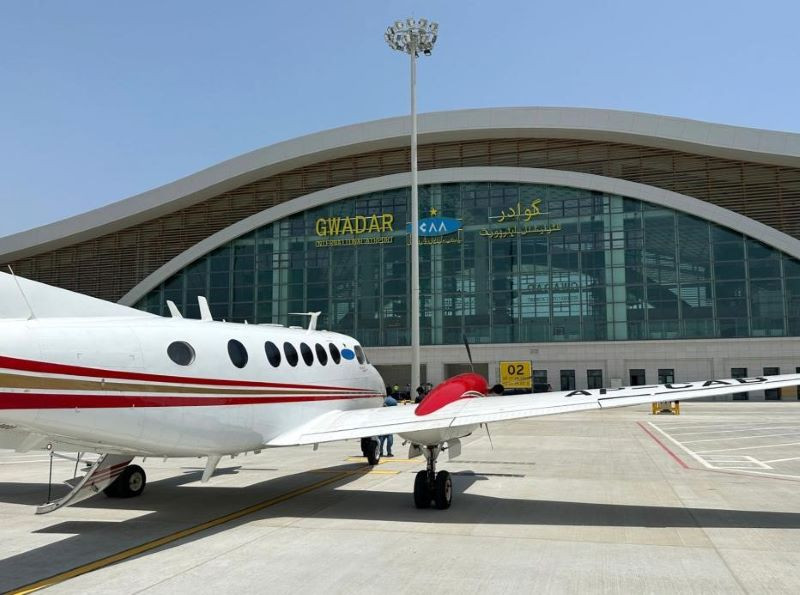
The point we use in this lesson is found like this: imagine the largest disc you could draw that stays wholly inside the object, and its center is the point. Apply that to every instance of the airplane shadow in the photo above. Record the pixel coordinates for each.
(172, 507)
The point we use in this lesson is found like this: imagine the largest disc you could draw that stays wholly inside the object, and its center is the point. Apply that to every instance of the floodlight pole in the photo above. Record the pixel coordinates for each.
(412, 37)
(415, 294)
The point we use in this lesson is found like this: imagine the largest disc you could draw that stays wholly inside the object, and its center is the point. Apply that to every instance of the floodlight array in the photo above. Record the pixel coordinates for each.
(412, 36)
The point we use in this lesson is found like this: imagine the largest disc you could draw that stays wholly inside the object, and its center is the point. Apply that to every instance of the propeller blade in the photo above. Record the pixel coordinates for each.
(469, 353)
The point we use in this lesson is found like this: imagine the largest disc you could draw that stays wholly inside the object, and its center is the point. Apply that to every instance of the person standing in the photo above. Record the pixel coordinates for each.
(420, 395)
(388, 439)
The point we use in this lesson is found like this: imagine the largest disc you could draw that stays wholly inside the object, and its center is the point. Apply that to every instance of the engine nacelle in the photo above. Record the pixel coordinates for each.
(438, 436)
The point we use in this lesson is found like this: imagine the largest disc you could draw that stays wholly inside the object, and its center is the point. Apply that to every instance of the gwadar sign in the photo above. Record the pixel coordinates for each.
(361, 228)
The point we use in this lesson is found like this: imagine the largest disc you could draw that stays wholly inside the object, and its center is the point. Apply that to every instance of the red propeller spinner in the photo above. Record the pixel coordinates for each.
(463, 386)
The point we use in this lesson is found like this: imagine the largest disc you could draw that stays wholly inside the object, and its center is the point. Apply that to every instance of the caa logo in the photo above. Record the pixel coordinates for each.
(436, 226)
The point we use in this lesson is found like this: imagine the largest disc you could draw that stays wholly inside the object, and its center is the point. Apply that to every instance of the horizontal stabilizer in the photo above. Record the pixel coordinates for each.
(23, 299)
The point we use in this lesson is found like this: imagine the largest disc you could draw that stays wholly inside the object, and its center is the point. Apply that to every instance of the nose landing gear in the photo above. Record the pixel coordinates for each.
(431, 487)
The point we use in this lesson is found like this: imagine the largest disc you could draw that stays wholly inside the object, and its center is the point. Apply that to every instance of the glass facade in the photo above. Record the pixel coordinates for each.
(528, 263)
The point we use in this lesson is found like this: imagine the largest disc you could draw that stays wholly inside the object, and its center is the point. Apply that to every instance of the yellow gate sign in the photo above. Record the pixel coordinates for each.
(516, 374)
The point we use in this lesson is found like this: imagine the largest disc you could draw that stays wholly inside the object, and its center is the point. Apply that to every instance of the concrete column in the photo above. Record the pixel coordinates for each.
(616, 309)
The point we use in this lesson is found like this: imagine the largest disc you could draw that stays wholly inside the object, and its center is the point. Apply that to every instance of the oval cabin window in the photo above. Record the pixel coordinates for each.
(237, 353)
(273, 354)
(181, 353)
(335, 355)
(305, 351)
(322, 355)
(291, 354)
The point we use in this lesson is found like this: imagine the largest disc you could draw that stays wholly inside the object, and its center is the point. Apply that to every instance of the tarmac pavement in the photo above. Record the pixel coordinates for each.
(616, 501)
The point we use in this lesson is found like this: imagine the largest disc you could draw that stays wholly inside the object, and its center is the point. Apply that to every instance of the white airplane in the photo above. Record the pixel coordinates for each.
(78, 374)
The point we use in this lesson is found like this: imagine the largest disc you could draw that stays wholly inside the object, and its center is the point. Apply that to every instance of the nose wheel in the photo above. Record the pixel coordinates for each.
(430, 487)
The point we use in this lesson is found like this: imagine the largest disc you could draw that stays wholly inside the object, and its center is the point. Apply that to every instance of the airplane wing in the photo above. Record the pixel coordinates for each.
(362, 423)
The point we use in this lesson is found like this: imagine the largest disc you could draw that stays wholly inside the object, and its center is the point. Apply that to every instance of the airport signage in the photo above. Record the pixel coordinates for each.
(355, 231)
(435, 230)
(516, 374)
(519, 220)
(436, 226)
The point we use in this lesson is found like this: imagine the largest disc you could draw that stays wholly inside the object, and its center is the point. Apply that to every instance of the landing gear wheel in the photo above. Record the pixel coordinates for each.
(130, 483)
(443, 490)
(373, 451)
(422, 494)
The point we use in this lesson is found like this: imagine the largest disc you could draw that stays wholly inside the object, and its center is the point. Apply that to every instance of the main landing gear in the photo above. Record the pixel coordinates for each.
(371, 449)
(130, 483)
(431, 487)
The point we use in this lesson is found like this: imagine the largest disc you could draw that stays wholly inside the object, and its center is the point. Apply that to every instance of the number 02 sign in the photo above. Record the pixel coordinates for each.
(516, 374)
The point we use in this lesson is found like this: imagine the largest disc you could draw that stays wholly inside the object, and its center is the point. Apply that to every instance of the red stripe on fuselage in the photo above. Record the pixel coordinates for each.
(84, 401)
(68, 370)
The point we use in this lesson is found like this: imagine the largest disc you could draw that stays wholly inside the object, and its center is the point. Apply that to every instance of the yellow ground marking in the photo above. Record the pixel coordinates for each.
(161, 541)
(383, 461)
(370, 472)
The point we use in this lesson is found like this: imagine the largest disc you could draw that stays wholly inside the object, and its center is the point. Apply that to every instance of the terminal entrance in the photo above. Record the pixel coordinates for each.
(400, 375)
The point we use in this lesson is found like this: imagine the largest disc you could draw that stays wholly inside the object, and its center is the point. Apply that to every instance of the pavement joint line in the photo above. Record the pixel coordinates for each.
(176, 536)
(795, 433)
(782, 460)
(748, 447)
(705, 433)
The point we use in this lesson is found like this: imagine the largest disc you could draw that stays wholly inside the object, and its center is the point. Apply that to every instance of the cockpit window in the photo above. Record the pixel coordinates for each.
(360, 354)
(181, 353)
(237, 353)
(335, 355)
(305, 351)
(322, 355)
(291, 354)
(273, 354)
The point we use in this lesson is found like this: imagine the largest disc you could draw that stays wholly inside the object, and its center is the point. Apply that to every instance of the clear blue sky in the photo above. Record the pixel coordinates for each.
(102, 100)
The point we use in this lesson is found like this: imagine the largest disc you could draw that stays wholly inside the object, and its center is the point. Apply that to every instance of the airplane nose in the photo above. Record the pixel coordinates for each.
(378, 381)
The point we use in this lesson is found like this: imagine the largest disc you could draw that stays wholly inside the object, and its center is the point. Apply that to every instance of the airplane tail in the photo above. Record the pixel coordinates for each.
(23, 299)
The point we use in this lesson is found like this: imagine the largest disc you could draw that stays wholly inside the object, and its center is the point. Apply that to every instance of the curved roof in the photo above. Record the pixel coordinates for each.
(666, 198)
(776, 148)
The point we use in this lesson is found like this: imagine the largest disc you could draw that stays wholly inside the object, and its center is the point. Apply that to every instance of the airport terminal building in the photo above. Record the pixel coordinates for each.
(607, 248)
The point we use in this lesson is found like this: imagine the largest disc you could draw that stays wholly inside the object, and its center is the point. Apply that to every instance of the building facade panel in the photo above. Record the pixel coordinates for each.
(530, 263)
(110, 265)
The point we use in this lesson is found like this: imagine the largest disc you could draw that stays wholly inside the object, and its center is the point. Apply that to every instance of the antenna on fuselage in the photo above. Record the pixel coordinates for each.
(313, 317)
(173, 309)
(22, 293)
(205, 311)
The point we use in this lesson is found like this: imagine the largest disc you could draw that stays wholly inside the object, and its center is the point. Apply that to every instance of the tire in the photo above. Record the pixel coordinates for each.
(422, 495)
(130, 483)
(373, 452)
(111, 489)
(443, 490)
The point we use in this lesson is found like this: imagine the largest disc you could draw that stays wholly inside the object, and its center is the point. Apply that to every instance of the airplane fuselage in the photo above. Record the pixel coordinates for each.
(173, 387)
